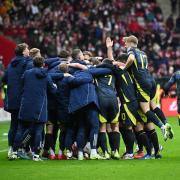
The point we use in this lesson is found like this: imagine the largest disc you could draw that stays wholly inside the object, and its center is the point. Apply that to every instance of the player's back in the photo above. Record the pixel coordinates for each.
(125, 86)
(139, 68)
(105, 86)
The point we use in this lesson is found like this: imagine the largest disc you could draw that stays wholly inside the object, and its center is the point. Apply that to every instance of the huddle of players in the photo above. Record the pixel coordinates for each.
(82, 96)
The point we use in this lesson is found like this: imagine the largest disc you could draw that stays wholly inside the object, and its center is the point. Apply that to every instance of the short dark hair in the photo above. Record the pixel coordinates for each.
(20, 48)
(75, 53)
(64, 68)
(94, 61)
(122, 58)
(107, 61)
(64, 54)
(38, 61)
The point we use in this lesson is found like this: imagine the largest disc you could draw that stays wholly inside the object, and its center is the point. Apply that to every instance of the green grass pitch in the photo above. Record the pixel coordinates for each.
(166, 168)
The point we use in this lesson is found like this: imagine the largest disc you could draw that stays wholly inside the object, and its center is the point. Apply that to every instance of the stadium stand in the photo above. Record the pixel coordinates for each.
(56, 25)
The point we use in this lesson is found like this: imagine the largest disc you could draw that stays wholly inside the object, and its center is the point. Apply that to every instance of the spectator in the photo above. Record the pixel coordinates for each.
(58, 25)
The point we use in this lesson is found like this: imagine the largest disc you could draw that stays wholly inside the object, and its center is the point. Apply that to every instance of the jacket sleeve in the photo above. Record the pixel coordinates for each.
(51, 86)
(22, 82)
(56, 76)
(170, 82)
(55, 63)
(77, 81)
(51, 60)
(99, 71)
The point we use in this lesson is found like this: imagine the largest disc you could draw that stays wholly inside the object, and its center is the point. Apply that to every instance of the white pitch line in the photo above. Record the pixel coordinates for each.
(4, 150)
(5, 134)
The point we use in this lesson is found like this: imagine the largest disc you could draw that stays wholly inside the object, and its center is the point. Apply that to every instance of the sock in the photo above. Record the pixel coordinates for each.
(154, 139)
(152, 117)
(111, 141)
(48, 141)
(109, 137)
(55, 135)
(130, 138)
(160, 115)
(139, 142)
(60, 152)
(102, 141)
(143, 138)
(123, 133)
(62, 137)
(114, 139)
(51, 152)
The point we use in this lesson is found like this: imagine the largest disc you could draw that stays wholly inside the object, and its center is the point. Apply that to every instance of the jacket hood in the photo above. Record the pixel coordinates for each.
(53, 65)
(40, 72)
(17, 60)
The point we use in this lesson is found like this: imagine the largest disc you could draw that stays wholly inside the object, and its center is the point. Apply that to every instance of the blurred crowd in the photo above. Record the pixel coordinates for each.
(56, 25)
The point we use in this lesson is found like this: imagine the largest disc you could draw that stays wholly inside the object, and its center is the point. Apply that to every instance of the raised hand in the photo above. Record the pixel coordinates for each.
(109, 42)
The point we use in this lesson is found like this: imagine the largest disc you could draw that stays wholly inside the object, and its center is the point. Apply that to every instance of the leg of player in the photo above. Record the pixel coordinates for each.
(130, 139)
(49, 141)
(22, 135)
(55, 134)
(69, 139)
(145, 107)
(154, 139)
(38, 128)
(115, 140)
(102, 140)
(143, 138)
(139, 146)
(12, 131)
(93, 122)
(62, 136)
(162, 117)
(109, 130)
(80, 138)
(17, 142)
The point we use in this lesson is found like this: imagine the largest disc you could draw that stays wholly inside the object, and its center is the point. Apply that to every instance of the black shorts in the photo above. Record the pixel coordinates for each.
(109, 110)
(52, 116)
(129, 114)
(146, 91)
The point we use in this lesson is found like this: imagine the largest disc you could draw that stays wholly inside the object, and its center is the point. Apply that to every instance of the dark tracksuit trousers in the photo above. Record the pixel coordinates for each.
(87, 120)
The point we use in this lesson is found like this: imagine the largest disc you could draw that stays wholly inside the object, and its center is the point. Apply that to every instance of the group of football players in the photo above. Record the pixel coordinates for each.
(85, 102)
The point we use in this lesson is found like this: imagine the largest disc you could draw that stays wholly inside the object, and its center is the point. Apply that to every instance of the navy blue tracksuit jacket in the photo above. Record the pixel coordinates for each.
(33, 107)
(12, 78)
(85, 94)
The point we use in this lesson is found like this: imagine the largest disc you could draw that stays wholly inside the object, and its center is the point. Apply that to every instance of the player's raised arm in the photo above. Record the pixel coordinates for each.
(109, 44)
(78, 65)
(170, 83)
